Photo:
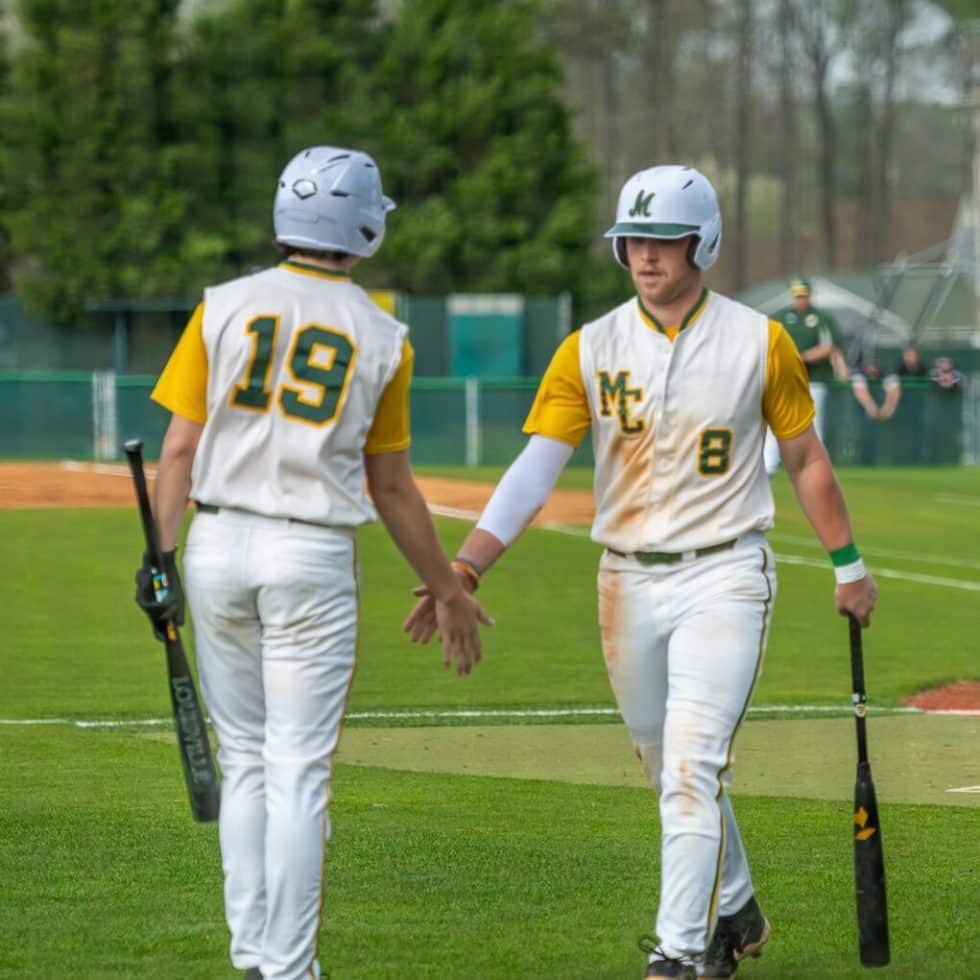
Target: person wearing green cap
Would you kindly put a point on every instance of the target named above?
(817, 337)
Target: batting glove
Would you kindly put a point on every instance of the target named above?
(171, 605)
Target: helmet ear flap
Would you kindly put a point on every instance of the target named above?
(692, 247)
(619, 251)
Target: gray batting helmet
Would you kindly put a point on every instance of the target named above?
(329, 199)
(668, 202)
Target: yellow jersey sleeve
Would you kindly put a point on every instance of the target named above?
(390, 431)
(786, 400)
(561, 407)
(182, 388)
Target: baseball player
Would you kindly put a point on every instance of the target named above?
(817, 337)
(289, 389)
(677, 386)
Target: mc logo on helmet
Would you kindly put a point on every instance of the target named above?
(642, 205)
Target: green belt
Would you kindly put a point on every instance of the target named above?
(206, 509)
(669, 557)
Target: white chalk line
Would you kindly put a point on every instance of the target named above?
(516, 714)
(879, 572)
(106, 469)
(959, 499)
(939, 580)
(873, 552)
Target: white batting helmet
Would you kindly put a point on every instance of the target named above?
(668, 202)
(329, 198)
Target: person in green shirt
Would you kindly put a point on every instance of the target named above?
(817, 337)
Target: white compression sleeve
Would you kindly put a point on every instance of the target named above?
(524, 488)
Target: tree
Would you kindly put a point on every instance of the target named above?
(92, 207)
(5, 166)
(744, 60)
(493, 191)
(301, 75)
(591, 37)
(789, 145)
(823, 26)
(961, 9)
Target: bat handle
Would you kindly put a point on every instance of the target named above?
(857, 656)
(859, 697)
(134, 456)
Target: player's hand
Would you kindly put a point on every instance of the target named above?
(857, 599)
(458, 620)
(421, 621)
(172, 605)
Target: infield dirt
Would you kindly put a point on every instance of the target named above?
(72, 484)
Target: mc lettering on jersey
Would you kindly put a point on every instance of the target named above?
(641, 207)
(616, 393)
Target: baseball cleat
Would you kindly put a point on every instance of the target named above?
(252, 973)
(735, 937)
(662, 965)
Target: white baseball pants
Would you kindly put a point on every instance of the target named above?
(770, 450)
(684, 645)
(274, 607)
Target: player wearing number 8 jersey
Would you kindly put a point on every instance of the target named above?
(289, 390)
(677, 386)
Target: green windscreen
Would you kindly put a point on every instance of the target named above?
(486, 335)
(78, 415)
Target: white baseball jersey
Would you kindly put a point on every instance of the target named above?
(295, 374)
(678, 419)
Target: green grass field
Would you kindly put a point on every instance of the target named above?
(513, 841)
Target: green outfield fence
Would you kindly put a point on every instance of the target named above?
(458, 421)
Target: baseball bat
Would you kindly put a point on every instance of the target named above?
(192, 734)
(869, 857)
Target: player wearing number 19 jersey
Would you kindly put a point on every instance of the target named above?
(289, 392)
(298, 373)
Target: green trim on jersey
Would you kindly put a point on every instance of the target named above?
(689, 318)
(313, 270)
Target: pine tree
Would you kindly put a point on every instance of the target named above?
(262, 79)
(93, 212)
(493, 191)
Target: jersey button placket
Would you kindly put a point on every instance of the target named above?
(661, 486)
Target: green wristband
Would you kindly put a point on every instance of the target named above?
(845, 555)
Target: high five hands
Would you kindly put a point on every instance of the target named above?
(454, 619)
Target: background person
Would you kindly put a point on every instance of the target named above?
(866, 372)
(677, 385)
(946, 411)
(945, 375)
(289, 390)
(870, 439)
(817, 337)
(912, 365)
(911, 368)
